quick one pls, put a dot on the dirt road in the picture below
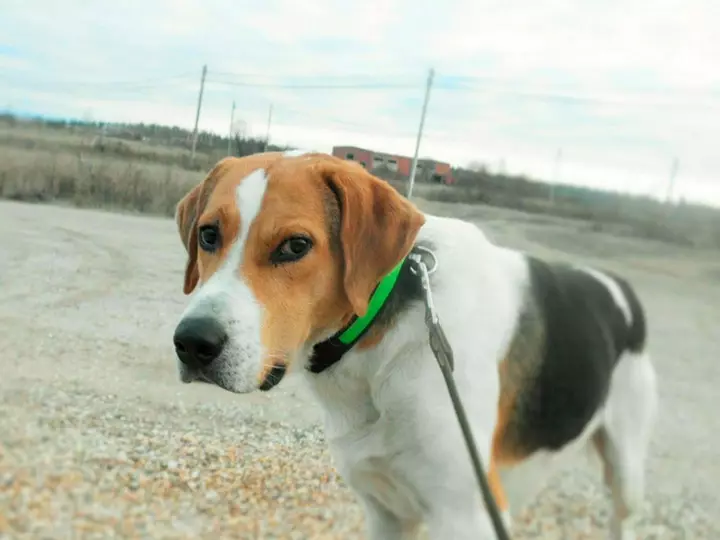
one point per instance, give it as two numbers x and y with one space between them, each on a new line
99 439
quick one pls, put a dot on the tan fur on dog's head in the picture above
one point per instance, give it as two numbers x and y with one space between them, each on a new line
191 207
359 228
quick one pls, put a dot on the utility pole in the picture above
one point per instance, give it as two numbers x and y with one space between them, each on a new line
671 182
230 130
197 113
413 169
556 175
103 133
267 132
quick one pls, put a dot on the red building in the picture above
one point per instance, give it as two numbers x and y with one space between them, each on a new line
428 170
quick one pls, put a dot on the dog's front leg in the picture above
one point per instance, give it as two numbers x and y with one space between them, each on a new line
461 523
381 524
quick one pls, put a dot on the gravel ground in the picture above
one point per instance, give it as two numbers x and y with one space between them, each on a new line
99 439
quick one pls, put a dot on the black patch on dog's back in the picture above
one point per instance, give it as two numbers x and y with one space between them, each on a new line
583 334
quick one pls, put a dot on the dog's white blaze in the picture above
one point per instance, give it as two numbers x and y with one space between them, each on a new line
249 196
226 297
614 290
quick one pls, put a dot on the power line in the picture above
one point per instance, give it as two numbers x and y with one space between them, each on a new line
107 93
573 98
563 99
310 86
456 83
408 77
446 83
320 118
121 85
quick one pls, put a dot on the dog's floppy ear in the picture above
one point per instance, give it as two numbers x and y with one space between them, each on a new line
186 214
378 227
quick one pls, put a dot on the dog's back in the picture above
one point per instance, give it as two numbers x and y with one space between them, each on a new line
577 370
580 323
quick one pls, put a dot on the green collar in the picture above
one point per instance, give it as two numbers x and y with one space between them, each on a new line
330 351
377 301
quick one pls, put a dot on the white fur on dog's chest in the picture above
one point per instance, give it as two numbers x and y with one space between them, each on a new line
388 417
385 473
379 454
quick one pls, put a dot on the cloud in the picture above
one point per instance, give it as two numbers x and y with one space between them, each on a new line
621 88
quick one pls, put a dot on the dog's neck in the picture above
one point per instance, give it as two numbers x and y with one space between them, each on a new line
346 385
407 291
393 295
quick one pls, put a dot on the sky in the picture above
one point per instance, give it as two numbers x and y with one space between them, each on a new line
605 93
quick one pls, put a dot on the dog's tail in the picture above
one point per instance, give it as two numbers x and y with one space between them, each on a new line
637 333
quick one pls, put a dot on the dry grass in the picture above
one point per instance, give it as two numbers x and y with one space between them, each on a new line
90 142
683 224
79 167
92 181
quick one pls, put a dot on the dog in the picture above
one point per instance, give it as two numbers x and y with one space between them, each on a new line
300 264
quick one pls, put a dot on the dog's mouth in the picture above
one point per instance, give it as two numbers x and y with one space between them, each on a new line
201 378
274 377
192 376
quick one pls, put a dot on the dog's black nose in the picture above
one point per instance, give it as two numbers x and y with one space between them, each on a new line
199 341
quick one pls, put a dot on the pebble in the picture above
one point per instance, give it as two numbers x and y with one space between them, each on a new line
167 478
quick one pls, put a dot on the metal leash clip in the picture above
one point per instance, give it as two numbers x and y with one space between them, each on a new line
444 356
438 341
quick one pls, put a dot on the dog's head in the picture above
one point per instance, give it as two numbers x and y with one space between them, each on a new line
282 251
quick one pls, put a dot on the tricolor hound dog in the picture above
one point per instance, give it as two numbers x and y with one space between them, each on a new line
299 260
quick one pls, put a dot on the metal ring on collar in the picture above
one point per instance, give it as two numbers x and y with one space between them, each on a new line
418 258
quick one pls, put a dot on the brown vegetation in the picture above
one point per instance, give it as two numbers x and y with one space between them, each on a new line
43 176
683 224
116 168
149 168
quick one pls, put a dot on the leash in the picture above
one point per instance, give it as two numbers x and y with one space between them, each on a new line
444 355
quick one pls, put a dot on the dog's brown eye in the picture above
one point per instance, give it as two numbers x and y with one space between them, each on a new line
209 237
292 249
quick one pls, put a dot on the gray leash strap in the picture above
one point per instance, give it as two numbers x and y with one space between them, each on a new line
444 355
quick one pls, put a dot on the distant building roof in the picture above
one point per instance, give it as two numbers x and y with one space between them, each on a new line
401 156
